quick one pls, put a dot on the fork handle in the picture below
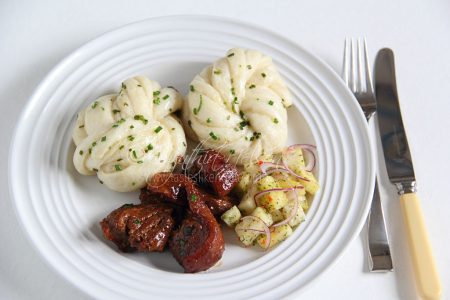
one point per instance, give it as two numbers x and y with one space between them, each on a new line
380 259
427 277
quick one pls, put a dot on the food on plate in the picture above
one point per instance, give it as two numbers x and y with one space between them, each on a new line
127 137
144 227
237 106
195 237
213 168
274 196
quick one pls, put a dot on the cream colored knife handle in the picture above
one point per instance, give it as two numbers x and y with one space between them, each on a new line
427 277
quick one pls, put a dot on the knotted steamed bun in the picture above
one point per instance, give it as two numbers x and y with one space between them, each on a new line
237 106
128 137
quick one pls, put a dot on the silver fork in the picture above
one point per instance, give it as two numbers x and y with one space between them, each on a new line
357 76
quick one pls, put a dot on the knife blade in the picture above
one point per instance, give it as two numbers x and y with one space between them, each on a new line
401 173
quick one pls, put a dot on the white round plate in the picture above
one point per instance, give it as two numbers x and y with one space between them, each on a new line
60 209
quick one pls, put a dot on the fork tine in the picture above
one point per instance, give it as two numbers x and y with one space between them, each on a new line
369 86
353 78
360 65
346 63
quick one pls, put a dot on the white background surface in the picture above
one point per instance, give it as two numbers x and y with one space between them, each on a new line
36 36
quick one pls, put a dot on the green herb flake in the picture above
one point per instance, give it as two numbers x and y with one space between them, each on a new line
121 147
131 126
263 75
130 138
243 124
193 197
270 102
158 129
139 85
118 168
103 138
90 150
249 67
228 117
148 148
94 105
95 170
208 120
275 120
184 144
134 154
81 126
213 136
192 88
81 152
252 86
157 101
232 151
217 72
197 109
94 144
101 182
140 162
137 222
166 97
116 111
124 86
156 93
141 118
230 55
120 159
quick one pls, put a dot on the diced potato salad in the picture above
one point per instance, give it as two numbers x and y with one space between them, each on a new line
270 198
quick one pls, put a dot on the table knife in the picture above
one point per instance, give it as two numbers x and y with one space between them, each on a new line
401 173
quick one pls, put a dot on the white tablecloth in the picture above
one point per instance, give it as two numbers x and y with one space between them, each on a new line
37 35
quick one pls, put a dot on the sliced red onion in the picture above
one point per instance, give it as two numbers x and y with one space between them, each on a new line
280 169
266 229
259 194
264 166
311 163
292 214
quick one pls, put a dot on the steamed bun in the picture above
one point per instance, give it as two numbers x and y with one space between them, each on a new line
237 106
126 138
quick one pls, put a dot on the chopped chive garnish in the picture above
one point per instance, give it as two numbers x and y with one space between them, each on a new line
141 118
208 120
196 110
232 151
130 138
139 85
270 102
103 138
228 117
263 75
184 144
140 162
81 126
156 101
120 159
124 87
158 129
101 182
165 97
95 170
118 167
131 126
94 144
156 93
137 222
134 154
249 67
133 184
95 104
193 197
230 55
148 148
275 120
81 152
121 147
252 86
213 136
243 124
217 72
116 111
192 88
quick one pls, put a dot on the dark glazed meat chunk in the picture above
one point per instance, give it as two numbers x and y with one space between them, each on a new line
198 244
144 227
170 187
214 168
